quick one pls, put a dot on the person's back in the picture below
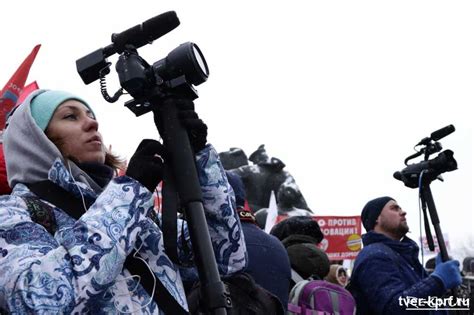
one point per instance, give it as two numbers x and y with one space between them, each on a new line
268 261
247 297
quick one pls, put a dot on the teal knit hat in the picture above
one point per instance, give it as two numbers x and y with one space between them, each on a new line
44 105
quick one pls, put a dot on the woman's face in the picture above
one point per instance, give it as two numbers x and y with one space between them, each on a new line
342 276
74 130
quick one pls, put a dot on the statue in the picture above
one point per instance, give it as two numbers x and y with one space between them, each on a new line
289 204
261 178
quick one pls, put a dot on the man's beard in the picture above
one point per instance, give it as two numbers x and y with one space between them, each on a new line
400 231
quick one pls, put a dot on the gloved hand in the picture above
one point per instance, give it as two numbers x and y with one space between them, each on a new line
448 272
197 129
146 164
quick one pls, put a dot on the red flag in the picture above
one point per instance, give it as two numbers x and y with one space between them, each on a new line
26 91
4 188
10 93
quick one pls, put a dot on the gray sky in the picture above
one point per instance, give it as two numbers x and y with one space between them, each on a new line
340 91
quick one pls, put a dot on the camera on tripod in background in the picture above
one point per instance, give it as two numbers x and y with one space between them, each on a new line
428 170
176 74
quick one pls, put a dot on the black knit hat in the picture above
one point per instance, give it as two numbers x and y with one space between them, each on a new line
372 210
303 225
308 260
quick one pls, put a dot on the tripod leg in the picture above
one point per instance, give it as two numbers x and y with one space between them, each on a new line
182 162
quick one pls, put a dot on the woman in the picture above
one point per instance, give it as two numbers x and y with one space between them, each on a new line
337 275
79 266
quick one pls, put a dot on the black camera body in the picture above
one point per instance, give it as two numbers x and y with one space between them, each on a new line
430 169
175 74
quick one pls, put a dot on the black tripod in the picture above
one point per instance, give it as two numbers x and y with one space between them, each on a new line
183 166
427 200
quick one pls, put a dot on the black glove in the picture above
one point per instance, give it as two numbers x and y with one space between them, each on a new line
146 164
197 129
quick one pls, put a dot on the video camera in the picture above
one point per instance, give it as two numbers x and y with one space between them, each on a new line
420 175
428 170
175 74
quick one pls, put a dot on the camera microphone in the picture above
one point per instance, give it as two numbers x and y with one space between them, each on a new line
146 32
437 135
93 65
443 132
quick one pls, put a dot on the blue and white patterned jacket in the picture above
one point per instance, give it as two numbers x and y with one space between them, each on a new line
79 269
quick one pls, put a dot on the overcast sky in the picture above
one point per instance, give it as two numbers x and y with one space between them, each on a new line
340 91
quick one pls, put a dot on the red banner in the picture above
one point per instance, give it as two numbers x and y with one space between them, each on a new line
10 93
425 248
342 235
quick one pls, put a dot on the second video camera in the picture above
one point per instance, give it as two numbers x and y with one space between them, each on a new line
429 169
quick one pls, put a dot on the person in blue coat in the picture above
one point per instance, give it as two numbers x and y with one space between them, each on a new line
268 261
78 268
387 273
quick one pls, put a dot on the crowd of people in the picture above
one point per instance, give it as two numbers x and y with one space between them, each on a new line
75 238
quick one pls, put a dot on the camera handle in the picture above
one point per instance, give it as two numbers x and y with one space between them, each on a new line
183 165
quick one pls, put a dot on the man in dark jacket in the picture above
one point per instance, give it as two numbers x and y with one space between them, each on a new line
268 261
387 274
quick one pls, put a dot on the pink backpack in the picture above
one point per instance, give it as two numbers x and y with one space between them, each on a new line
319 297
